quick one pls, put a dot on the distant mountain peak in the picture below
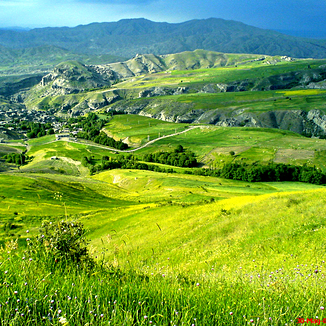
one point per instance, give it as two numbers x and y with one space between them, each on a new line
139 35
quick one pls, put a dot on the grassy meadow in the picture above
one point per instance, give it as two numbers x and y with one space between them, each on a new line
170 249
213 145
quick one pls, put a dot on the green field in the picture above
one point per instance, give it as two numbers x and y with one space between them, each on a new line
213 144
248 69
216 251
169 248
138 129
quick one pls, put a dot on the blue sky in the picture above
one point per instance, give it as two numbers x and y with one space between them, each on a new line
295 15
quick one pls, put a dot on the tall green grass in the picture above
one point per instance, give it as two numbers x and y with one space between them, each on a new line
259 270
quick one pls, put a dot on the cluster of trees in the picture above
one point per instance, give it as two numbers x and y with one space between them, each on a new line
92 126
120 162
36 129
130 162
179 157
270 172
18 159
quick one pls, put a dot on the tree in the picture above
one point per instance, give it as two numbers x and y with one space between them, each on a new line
179 149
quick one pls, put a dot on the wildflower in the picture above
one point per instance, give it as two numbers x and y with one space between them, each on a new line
63 320
197 284
27 231
231 313
145 317
16 292
322 308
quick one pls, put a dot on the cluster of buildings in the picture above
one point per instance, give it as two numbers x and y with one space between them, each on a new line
10 119
8 116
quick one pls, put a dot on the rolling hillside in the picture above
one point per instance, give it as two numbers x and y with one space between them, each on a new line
175 238
200 219
193 87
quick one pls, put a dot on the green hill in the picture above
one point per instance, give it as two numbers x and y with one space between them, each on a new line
214 251
152 244
193 87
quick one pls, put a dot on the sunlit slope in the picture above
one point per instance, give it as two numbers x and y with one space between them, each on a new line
268 230
237 67
193 223
27 199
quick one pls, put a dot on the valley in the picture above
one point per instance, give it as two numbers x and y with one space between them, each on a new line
198 179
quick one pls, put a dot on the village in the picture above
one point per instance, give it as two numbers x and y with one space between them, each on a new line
11 120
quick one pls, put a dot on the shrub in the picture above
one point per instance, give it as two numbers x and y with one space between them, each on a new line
65 242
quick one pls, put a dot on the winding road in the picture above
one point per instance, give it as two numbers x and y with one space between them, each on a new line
114 149
129 150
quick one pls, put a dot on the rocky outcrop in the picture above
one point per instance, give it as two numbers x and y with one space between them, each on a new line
238 86
74 77
310 123
161 91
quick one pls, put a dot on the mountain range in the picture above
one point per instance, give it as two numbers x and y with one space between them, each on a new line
128 37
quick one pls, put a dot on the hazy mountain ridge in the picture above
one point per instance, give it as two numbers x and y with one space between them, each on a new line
130 36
